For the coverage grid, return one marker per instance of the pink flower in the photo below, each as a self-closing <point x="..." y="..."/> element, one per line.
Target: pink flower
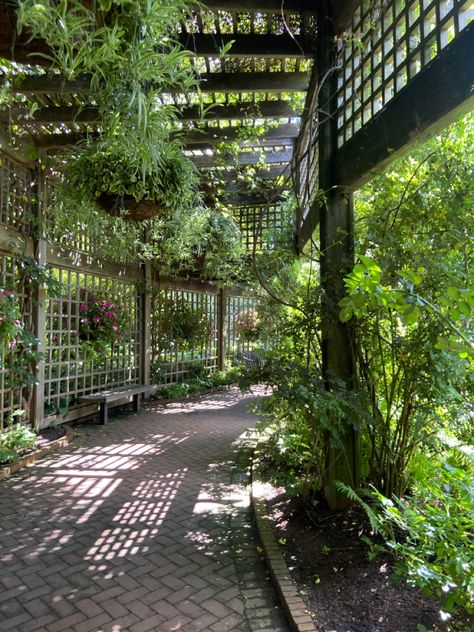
<point x="96" y="319"/>
<point x="114" y="328"/>
<point x="83" y="307"/>
<point x="110" y="314"/>
<point x="108" y="304"/>
<point x="5" y="293"/>
<point x="11" y="344"/>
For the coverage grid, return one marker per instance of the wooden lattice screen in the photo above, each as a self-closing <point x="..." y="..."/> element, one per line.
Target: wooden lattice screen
<point x="71" y="370"/>
<point x="174" y="361"/>
<point x="255" y="221"/>
<point x="387" y="44"/>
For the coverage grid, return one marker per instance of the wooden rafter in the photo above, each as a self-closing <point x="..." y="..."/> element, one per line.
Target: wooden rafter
<point x="210" y="83"/>
<point x="248" y="45"/>
<point x="245" y="158"/>
<point x="199" y="139"/>
<point x="270" y="6"/>
<point x="218" y="112"/>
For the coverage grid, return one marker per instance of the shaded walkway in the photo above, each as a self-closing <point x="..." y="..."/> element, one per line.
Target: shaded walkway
<point x="140" y="525"/>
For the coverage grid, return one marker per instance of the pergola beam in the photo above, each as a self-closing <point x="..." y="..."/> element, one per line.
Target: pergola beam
<point x="284" y="135"/>
<point x="210" y="82"/>
<point x="435" y="97"/>
<point x="89" y="114"/>
<point x="270" y="6"/>
<point x="248" y="45"/>
<point x="232" y="175"/>
<point x="244" y="158"/>
<point x="213" y="135"/>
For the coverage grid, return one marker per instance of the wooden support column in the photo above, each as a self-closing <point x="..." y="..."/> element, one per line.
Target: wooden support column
<point x="221" y="329"/>
<point x="145" y="326"/>
<point x="39" y="313"/>
<point x="336" y="243"/>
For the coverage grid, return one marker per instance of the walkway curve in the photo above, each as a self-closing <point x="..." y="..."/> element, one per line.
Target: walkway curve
<point x="143" y="524"/>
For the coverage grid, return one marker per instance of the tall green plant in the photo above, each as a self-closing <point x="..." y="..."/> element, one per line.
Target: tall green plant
<point x="411" y="300"/>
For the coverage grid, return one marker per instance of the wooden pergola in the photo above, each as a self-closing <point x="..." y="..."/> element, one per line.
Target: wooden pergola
<point x="375" y="77"/>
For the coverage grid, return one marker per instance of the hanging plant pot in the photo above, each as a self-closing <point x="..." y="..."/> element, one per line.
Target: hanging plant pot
<point x="135" y="211"/>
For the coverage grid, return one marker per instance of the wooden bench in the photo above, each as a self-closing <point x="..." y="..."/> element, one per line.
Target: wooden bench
<point x="104" y="398"/>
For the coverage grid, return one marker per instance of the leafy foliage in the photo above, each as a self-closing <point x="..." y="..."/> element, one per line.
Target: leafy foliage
<point x="181" y="324"/>
<point x="109" y="169"/>
<point x="102" y="322"/>
<point x="16" y="438"/>
<point x="129" y="52"/>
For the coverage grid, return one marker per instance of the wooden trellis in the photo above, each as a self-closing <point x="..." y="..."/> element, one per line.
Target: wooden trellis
<point x="69" y="369"/>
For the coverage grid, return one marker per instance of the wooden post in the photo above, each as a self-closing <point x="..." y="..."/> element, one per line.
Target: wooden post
<point x="336" y="243"/>
<point x="145" y="326"/>
<point x="221" y="329"/>
<point x="39" y="312"/>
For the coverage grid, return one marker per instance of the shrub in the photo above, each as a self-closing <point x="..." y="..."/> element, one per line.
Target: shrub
<point x="15" y="439"/>
<point x="102" y="322"/>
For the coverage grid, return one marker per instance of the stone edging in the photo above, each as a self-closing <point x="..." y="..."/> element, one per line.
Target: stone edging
<point x="8" y="470"/>
<point x="292" y="604"/>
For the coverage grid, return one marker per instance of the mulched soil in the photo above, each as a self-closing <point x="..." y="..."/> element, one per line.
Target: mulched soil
<point x="343" y="589"/>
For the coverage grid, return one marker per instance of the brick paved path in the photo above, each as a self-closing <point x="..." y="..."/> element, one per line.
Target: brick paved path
<point x="140" y="525"/>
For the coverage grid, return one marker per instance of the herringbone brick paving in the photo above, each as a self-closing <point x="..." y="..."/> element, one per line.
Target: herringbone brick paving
<point x="140" y="525"/>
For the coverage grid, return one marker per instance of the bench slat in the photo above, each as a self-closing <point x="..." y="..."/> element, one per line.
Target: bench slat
<point x="112" y="395"/>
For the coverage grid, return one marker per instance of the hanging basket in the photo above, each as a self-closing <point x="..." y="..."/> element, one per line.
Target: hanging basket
<point x="135" y="211"/>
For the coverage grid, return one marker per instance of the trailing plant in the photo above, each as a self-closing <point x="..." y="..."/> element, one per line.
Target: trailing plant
<point x="11" y="327"/>
<point x="107" y="173"/>
<point x="179" y="323"/>
<point x="249" y="325"/>
<point x="130" y="53"/>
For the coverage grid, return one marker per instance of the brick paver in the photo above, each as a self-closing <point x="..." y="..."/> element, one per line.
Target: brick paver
<point x="140" y="525"/>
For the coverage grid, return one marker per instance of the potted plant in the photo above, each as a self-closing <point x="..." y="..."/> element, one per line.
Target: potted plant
<point x="181" y="324"/>
<point x="248" y="325"/>
<point x="106" y="174"/>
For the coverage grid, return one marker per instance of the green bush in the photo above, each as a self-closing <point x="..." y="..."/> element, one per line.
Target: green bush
<point x="431" y="530"/>
<point x="15" y="439"/>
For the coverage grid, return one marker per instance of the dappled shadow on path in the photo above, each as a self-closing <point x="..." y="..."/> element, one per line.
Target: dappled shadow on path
<point x="144" y="521"/>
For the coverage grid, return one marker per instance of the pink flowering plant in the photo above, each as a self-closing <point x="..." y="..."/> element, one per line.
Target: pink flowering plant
<point x="249" y="325"/>
<point x="102" y="322"/>
<point x="11" y="326"/>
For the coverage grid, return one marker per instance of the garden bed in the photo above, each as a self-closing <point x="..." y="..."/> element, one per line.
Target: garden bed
<point x="48" y="440"/>
<point x="343" y="589"/>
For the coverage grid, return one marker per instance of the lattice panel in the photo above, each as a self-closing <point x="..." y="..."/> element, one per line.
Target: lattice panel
<point x="173" y="361"/>
<point x="13" y="396"/>
<point x="255" y="221"/>
<point x="70" y="370"/>
<point x="17" y="193"/>
<point x="305" y="165"/>
<point x="387" y="44"/>
<point x="238" y="349"/>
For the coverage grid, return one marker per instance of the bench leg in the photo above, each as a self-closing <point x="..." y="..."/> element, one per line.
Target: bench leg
<point x="137" y="402"/>
<point x="104" y="413"/>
